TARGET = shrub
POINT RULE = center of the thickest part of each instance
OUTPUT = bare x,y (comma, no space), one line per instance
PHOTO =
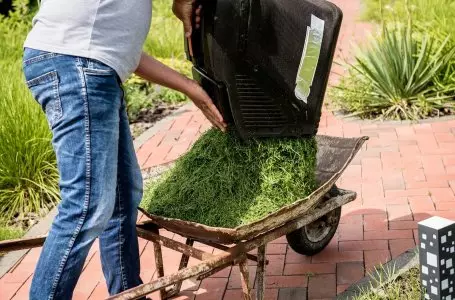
142,95
166,35
28,173
404,73
223,181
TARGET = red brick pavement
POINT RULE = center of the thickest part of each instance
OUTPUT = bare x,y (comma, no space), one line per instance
405,173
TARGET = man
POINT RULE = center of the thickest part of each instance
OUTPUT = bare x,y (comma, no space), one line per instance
75,58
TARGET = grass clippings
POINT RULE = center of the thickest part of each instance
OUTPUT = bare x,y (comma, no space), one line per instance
226,182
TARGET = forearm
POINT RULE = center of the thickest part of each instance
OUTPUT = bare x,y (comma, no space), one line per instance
152,70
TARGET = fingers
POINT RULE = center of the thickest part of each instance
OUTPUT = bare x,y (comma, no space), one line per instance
190,47
216,117
182,9
215,112
198,10
221,126
187,26
197,19
213,115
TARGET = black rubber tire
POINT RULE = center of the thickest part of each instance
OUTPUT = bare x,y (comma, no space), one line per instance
300,243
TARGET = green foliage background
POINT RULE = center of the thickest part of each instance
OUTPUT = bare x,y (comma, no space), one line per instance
28,173
407,71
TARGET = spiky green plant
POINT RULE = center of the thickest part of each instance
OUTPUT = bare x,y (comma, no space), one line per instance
402,74
406,286
225,182
28,172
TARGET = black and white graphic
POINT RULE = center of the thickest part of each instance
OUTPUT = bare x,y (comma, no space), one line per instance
437,258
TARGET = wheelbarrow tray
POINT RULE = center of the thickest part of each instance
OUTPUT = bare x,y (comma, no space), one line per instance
333,156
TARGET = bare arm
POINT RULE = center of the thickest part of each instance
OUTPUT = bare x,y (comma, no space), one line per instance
154,71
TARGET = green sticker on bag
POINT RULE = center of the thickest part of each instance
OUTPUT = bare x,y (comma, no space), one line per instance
310,59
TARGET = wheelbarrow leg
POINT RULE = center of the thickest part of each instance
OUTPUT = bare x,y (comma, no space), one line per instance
245,279
260,273
159,262
183,264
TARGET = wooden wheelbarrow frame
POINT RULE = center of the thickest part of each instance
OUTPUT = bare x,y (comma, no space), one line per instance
242,239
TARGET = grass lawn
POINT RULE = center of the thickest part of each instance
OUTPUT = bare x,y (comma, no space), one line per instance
404,287
7,233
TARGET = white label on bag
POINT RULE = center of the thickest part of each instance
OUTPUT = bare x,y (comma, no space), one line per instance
310,59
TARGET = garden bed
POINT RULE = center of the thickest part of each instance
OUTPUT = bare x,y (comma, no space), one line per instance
397,279
406,286
406,71
149,116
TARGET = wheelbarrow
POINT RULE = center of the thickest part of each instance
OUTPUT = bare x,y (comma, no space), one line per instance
309,224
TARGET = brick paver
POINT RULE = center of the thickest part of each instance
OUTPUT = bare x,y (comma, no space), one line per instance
403,174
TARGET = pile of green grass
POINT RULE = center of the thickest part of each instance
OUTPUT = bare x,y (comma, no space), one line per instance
225,182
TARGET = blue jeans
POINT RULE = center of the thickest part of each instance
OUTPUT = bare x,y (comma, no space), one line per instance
100,179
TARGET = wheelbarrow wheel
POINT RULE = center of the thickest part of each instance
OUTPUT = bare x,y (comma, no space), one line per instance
313,238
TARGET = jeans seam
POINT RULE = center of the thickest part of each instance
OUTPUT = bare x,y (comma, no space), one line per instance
40,57
58,103
87,187
122,265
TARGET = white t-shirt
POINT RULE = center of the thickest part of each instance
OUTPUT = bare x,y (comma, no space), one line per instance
111,31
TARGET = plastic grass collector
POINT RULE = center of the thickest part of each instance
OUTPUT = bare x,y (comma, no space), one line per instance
226,182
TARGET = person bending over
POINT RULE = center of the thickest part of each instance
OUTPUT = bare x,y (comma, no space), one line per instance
76,57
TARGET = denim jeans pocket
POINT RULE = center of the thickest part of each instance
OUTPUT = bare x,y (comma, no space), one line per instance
45,91
95,67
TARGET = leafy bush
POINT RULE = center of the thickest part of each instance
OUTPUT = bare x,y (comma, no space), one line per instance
166,35
28,173
223,181
142,95
404,73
